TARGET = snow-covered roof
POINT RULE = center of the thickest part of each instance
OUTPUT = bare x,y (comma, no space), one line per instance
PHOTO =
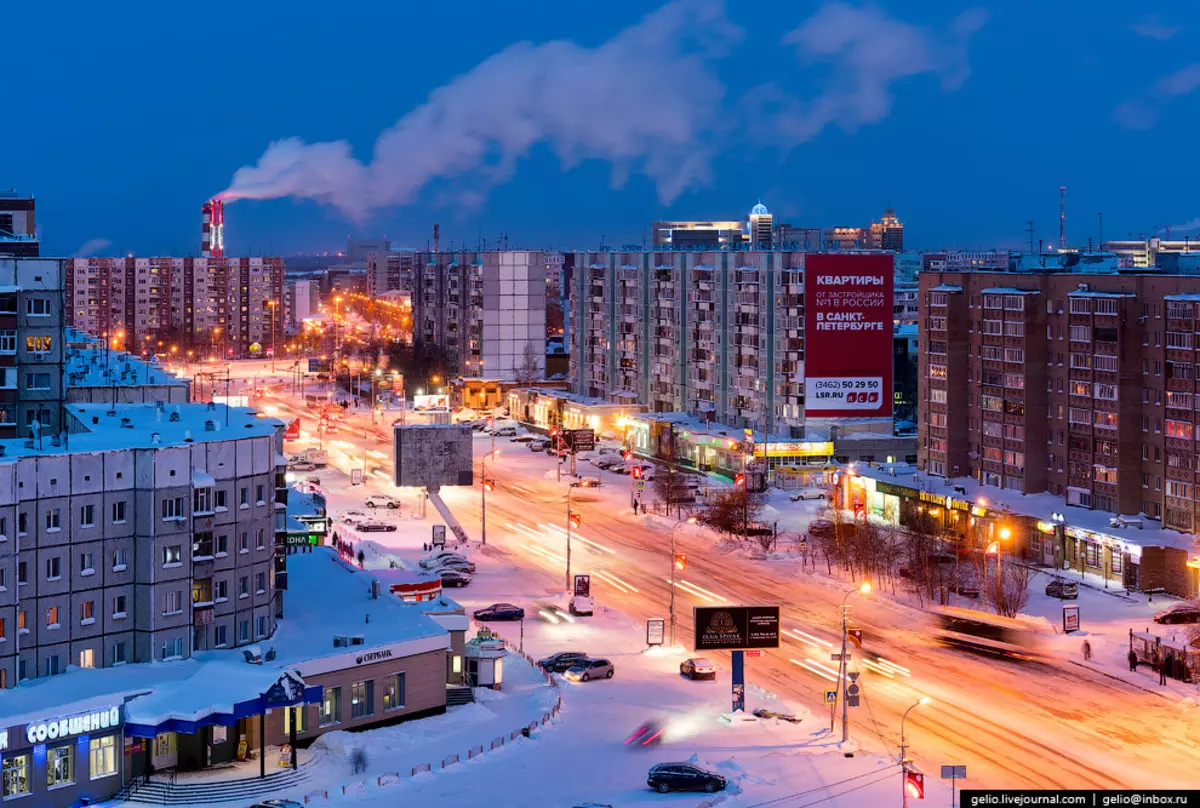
1192,297
1087,293
97,367
946,287
1007,290
327,598
302,503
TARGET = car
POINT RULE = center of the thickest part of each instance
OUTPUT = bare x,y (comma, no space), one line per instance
562,662
618,469
589,482
500,611
526,438
372,526
821,529
1065,590
698,668
808,493
441,559
505,431
382,501
1179,613
277,804
538,445
458,565
588,669
581,605
354,517
453,577
301,465
665,777
313,480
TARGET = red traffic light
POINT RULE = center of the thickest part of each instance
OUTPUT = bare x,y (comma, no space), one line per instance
628,455
489,483
914,785
739,479
576,519
554,432
637,472
681,561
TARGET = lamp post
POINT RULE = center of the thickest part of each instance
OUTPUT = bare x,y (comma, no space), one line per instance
691,520
904,750
570,521
272,304
483,496
843,666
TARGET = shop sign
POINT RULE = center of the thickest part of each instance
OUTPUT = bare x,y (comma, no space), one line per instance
804,449
43,731
936,499
1103,540
893,489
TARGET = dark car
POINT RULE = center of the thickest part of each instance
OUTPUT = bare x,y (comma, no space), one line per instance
500,611
452,577
683,777
1066,590
562,662
277,804
375,527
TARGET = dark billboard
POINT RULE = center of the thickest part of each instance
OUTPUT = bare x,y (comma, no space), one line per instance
733,628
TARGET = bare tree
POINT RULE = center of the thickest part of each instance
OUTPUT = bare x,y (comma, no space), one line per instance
529,369
671,487
1012,594
733,510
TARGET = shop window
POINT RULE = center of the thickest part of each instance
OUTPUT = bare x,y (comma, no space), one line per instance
60,766
362,699
1091,554
299,713
331,707
393,691
16,775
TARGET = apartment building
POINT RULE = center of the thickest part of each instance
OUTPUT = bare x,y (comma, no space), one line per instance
1079,384
146,534
31,347
220,305
18,232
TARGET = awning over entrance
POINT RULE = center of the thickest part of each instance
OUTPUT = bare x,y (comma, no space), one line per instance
179,710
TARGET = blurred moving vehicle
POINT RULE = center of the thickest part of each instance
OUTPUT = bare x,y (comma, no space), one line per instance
562,662
648,734
808,493
698,668
988,633
665,777
581,606
589,669
1179,613
301,465
371,526
1065,590
500,611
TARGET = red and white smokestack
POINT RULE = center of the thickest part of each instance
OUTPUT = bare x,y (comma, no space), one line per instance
212,229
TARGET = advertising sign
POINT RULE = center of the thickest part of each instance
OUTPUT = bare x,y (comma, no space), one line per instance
732,628
439,535
848,335
580,440
293,430
1070,617
438,403
583,586
656,628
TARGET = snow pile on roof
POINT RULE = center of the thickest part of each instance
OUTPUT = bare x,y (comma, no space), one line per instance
97,367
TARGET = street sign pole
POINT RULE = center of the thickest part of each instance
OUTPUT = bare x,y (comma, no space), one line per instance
954,774
739,681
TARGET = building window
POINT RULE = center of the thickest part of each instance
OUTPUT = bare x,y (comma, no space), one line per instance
172,603
8,342
1105,419
118,658
87,612
260,626
118,607
172,555
60,766
244,543
35,344
1179,429
362,699
219,636
119,559
103,752
16,775
259,495
260,583
53,568
172,648
244,498
331,707
52,665
87,516
52,617
172,508
37,306
220,499
245,630
244,586
222,545
299,713
118,512
393,691
87,563
53,519
37,381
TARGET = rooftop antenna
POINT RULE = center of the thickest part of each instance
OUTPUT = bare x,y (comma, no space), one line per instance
1100,217
1062,217
436,239
1029,230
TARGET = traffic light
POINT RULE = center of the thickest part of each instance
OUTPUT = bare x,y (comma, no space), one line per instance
628,455
554,432
637,472
489,483
576,519
739,479
681,561
914,785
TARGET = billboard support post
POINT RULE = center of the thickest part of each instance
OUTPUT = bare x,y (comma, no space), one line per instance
739,681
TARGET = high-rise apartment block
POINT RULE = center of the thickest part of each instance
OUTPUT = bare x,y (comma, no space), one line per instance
18,233
31,347
218,305
885,234
487,310
1079,383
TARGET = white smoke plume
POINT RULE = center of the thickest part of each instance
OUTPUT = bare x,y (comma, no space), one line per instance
646,101
91,247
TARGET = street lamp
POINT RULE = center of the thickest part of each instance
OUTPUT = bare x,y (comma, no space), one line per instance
487,486
272,304
572,519
904,749
675,563
843,666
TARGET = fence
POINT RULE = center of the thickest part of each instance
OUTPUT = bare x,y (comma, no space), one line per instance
449,760
421,768
498,742
312,796
389,779
474,751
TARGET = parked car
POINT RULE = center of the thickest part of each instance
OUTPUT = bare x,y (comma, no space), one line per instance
562,662
666,777
382,501
354,518
301,465
821,528
277,804
1066,590
453,577
581,605
500,611
588,669
538,444
505,431
458,564
808,493
526,438
440,559
1179,613
371,526
698,668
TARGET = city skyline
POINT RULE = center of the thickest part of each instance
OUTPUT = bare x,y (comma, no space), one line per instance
806,125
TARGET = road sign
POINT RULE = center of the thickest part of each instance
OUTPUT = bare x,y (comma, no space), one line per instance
853,675
837,657
854,635
831,697
754,653
640,485
954,772
853,689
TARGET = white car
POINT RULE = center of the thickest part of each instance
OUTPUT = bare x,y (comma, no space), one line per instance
353,517
808,493
441,559
581,605
382,501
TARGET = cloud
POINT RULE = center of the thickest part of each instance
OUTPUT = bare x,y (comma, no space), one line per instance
91,247
867,53
1186,227
646,101
1143,113
1153,28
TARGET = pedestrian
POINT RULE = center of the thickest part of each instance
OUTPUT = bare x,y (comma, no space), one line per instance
635,507
1133,660
361,558
358,759
1087,651
1168,667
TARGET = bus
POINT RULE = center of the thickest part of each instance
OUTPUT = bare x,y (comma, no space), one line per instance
989,633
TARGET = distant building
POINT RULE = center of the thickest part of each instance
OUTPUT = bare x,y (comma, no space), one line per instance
846,238
886,234
804,239
700,235
1142,253
31,347
761,232
303,300
18,234
359,249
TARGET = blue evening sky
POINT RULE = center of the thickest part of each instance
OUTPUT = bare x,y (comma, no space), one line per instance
966,118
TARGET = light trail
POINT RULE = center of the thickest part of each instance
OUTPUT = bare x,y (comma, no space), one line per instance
804,637
615,581
813,668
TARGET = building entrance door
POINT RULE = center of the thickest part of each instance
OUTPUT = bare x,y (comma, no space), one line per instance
166,751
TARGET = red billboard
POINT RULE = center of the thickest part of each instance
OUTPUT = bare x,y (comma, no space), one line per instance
848,335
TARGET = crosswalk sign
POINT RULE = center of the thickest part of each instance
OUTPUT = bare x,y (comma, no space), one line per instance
831,697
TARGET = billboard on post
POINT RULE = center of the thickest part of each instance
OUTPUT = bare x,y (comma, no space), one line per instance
436,403
735,628
848,335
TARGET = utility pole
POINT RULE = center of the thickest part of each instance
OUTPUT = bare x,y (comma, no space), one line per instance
570,521
904,761
483,497
844,663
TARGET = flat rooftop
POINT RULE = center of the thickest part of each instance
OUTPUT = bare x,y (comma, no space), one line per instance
97,367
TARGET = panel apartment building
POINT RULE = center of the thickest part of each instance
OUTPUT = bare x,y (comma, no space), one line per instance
1078,383
32,338
215,305
147,534
481,308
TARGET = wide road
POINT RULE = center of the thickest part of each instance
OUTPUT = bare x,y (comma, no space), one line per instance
1016,725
